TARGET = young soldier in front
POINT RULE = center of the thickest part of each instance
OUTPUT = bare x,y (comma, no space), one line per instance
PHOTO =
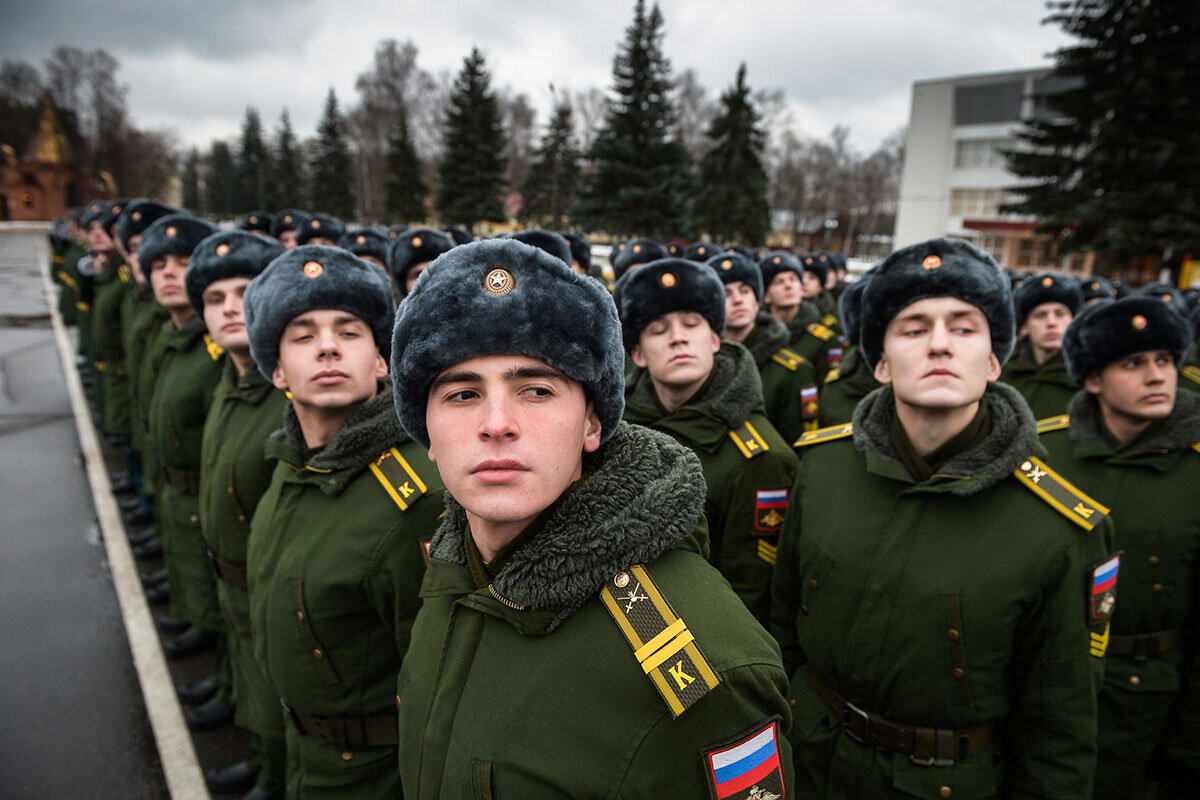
935,600
1133,440
1045,306
707,395
573,642
338,542
234,473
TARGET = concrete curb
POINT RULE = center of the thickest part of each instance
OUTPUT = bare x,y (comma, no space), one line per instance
181,767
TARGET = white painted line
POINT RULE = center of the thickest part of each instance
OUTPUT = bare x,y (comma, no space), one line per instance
185,780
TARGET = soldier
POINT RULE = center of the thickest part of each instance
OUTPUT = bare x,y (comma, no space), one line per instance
551,242
458,235
790,397
635,253
837,283
320,229
817,269
1096,289
700,251
581,252
935,599
1133,440
410,253
112,281
368,244
851,381
285,223
337,543
234,473
258,222
707,395
1045,305
811,336
1189,369
571,550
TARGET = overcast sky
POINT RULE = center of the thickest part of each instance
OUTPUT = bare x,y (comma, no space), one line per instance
195,67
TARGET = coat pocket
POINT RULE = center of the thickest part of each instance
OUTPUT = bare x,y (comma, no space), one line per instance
483,779
323,665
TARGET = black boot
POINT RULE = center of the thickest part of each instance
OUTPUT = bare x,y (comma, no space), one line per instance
191,641
151,579
197,692
213,714
160,595
234,778
151,548
172,625
141,538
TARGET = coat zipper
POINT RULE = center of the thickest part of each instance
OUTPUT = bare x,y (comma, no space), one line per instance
505,601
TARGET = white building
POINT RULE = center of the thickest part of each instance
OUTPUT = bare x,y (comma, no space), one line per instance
955,176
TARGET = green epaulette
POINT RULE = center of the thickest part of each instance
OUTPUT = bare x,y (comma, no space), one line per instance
748,440
820,331
829,321
1191,372
215,351
833,374
788,359
1053,423
398,478
825,434
1060,493
661,641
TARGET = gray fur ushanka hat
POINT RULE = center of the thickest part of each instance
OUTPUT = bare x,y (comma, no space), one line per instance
634,252
415,246
172,235
366,242
312,277
1047,287
1112,329
227,254
320,226
701,251
666,285
140,215
850,307
553,243
289,219
734,267
504,297
1097,288
937,268
775,263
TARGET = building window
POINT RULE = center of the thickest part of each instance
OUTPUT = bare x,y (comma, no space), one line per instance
1033,254
976,202
980,153
992,244
990,103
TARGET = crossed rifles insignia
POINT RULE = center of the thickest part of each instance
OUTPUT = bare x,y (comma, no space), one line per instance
635,594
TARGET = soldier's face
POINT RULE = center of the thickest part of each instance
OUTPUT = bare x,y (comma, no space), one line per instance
741,306
328,361
321,240
166,278
378,263
508,434
1046,324
131,256
223,313
937,354
1139,387
785,290
98,238
410,277
677,348
287,239
812,285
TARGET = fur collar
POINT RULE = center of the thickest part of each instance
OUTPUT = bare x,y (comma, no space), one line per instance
807,315
731,394
1013,437
369,430
1180,431
644,498
770,336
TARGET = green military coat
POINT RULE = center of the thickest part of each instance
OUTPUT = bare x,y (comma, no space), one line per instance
955,602
1189,371
844,387
336,560
790,396
112,285
234,473
63,259
1046,387
144,353
1149,701
189,367
529,687
815,337
747,466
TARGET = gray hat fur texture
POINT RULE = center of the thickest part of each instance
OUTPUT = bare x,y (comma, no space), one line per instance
1047,287
943,267
415,246
320,226
734,267
227,254
850,306
172,235
289,219
542,309
315,277
636,251
581,249
1112,329
666,285
775,263
366,242
138,216
551,242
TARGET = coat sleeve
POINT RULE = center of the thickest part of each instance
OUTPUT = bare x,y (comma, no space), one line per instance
785,582
1050,730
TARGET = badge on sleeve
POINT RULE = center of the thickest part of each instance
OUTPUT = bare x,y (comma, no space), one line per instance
769,508
810,403
747,766
1104,589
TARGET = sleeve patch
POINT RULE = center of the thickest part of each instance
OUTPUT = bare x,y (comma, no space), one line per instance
1103,595
810,402
746,767
769,507
1099,643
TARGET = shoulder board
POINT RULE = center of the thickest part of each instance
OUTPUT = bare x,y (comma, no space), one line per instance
820,331
398,478
57,259
1060,493
825,434
833,374
829,320
1191,372
748,440
125,273
1196,446
661,641
788,359
1053,423
215,351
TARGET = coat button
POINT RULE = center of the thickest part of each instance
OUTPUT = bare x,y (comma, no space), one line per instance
397,702
229,491
193,519
1157,587
1135,680
317,653
792,702
952,634
347,755
300,616
241,518
944,791
813,584
804,610
958,672
1152,560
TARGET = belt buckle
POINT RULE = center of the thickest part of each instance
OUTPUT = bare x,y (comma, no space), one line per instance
932,761
851,713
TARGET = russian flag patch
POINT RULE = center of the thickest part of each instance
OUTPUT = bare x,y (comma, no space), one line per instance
1104,589
747,768
769,508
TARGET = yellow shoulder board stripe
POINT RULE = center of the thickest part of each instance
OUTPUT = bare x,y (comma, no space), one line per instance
215,351
57,259
824,434
788,359
68,280
748,440
833,374
1060,493
1196,446
1099,643
398,478
1053,423
820,331
82,306
768,552
125,273
829,320
661,641
1191,372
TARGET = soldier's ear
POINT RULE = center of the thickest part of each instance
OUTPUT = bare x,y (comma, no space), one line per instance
883,371
993,372
278,378
1092,384
592,429
636,355
381,365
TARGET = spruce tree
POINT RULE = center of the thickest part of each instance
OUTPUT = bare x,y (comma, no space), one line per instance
331,168
220,184
1111,162
733,205
404,191
191,182
253,163
639,183
554,177
286,187
471,173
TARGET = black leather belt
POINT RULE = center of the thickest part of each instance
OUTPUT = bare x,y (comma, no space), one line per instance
347,733
1143,646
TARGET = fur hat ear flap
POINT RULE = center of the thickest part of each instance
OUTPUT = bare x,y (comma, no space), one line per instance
1112,329
1048,287
581,249
735,267
666,285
